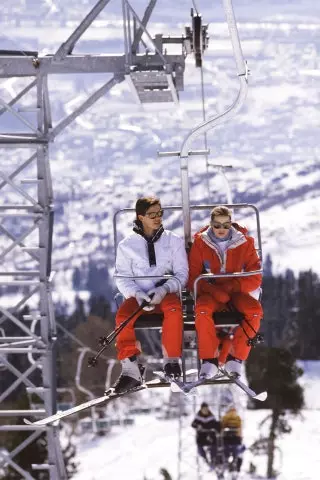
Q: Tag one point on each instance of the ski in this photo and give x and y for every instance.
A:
(188, 387)
(251, 393)
(176, 386)
(109, 396)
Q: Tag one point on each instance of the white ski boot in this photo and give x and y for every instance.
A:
(209, 369)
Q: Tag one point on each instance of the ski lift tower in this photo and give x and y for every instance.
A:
(27, 214)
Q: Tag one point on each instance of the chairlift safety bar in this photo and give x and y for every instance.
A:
(212, 122)
(222, 275)
(147, 277)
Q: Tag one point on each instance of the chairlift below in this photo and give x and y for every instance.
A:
(98, 426)
(3, 355)
(115, 422)
(140, 410)
(66, 404)
(128, 421)
(102, 426)
(62, 406)
(121, 421)
(86, 425)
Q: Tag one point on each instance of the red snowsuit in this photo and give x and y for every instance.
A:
(240, 256)
(127, 344)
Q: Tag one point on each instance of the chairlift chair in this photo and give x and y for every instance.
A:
(197, 41)
(86, 425)
(65, 405)
(225, 321)
(128, 421)
(103, 425)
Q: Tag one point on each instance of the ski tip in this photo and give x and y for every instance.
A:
(192, 371)
(261, 396)
(192, 392)
(38, 423)
(154, 381)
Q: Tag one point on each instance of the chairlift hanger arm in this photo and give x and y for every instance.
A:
(212, 122)
(242, 74)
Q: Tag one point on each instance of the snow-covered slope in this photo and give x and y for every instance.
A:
(272, 143)
(142, 449)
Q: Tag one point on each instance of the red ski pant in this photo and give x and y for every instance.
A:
(210, 346)
(172, 327)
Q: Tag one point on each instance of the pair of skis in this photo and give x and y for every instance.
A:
(161, 381)
(189, 387)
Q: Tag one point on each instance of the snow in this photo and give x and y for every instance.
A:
(269, 142)
(150, 444)
(272, 144)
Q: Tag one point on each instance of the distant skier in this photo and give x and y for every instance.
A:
(207, 428)
(149, 251)
(224, 247)
(231, 425)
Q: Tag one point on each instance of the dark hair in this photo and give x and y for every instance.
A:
(220, 210)
(144, 203)
(204, 404)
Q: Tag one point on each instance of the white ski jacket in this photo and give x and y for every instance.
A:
(133, 260)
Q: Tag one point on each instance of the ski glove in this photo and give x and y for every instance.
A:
(140, 297)
(159, 294)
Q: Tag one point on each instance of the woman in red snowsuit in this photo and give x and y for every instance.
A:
(223, 247)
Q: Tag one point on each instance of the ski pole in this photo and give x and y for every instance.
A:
(105, 341)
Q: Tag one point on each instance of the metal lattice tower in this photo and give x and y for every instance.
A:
(26, 224)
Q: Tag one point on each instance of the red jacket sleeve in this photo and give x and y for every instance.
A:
(195, 264)
(252, 262)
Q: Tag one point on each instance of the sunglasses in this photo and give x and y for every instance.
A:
(154, 215)
(226, 225)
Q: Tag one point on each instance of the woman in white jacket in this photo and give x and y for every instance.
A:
(150, 250)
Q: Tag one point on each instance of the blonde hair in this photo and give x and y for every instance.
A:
(220, 210)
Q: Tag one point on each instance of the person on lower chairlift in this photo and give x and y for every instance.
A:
(231, 425)
(224, 247)
(207, 428)
(150, 250)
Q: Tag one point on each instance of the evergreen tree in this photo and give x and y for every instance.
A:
(80, 310)
(274, 370)
(35, 452)
(308, 316)
(76, 279)
(98, 281)
(290, 333)
(267, 267)
(166, 475)
(99, 306)
(92, 280)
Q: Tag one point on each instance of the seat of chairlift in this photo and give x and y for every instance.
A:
(153, 86)
(221, 320)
